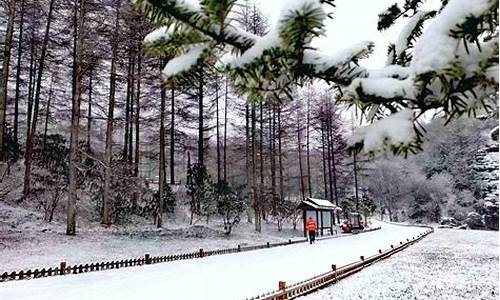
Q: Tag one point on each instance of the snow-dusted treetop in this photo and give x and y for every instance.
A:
(451, 66)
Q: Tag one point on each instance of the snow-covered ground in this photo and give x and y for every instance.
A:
(233, 276)
(28, 242)
(448, 264)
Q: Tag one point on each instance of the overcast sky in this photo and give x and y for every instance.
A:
(353, 21)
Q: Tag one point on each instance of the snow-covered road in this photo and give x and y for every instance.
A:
(233, 276)
(448, 264)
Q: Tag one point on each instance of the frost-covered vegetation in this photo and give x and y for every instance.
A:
(448, 264)
(133, 126)
(456, 176)
(120, 111)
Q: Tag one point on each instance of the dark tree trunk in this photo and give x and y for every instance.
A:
(217, 128)
(32, 74)
(131, 110)
(127, 106)
(36, 104)
(334, 165)
(108, 155)
(247, 160)
(4, 76)
(261, 162)
(323, 142)
(280, 155)
(272, 150)
(161, 175)
(356, 181)
(299, 146)
(172, 136)
(137, 115)
(225, 131)
(308, 154)
(18, 73)
(89, 112)
(255, 192)
(78, 25)
(47, 115)
(200, 124)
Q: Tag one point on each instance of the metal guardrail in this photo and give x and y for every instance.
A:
(312, 284)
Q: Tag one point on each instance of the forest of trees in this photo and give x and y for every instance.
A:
(88, 119)
(90, 127)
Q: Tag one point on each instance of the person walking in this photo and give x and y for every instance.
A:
(311, 228)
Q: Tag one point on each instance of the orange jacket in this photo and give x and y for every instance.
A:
(311, 225)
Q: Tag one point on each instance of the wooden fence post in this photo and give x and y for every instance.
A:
(282, 288)
(62, 268)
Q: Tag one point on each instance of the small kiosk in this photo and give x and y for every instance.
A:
(355, 220)
(322, 211)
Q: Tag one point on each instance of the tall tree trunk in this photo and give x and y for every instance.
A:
(280, 155)
(329, 152)
(217, 128)
(131, 110)
(89, 112)
(200, 124)
(136, 194)
(137, 115)
(161, 175)
(78, 25)
(356, 181)
(299, 146)
(334, 164)
(172, 136)
(30, 138)
(272, 150)
(4, 76)
(18, 72)
(106, 209)
(248, 167)
(255, 192)
(31, 88)
(127, 106)
(308, 154)
(47, 115)
(225, 130)
(261, 162)
(323, 142)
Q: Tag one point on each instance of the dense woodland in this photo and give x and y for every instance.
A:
(91, 131)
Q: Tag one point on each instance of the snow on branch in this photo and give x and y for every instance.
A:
(162, 33)
(322, 61)
(436, 48)
(396, 130)
(184, 62)
(411, 29)
(383, 88)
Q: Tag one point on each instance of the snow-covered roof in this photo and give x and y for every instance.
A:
(318, 204)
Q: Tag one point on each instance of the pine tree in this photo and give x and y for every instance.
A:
(459, 80)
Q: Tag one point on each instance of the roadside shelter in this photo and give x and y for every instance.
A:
(322, 211)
